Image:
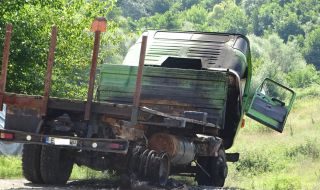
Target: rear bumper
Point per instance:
(94, 144)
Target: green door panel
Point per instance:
(271, 104)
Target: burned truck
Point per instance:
(173, 107)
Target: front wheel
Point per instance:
(56, 165)
(216, 167)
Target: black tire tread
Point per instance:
(31, 163)
(55, 167)
(211, 165)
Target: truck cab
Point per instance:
(214, 52)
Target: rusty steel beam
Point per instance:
(137, 92)
(98, 26)
(47, 83)
(5, 60)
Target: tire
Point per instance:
(216, 167)
(55, 166)
(31, 154)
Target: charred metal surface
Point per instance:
(208, 146)
(150, 165)
(47, 83)
(173, 121)
(137, 92)
(124, 129)
(22, 118)
(181, 150)
(5, 60)
(98, 26)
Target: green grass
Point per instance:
(268, 159)
(10, 168)
(272, 160)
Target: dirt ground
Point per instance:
(22, 184)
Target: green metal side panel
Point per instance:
(169, 90)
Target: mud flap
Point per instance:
(22, 119)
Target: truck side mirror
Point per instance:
(271, 104)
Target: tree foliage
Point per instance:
(312, 48)
(32, 23)
(228, 17)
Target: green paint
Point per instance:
(198, 88)
(264, 118)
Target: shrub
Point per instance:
(285, 183)
(255, 163)
(309, 149)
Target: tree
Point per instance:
(197, 15)
(228, 17)
(32, 24)
(133, 8)
(288, 26)
(159, 6)
(275, 58)
(264, 18)
(312, 48)
(303, 78)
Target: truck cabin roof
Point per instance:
(193, 50)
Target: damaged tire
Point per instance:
(31, 155)
(55, 166)
(216, 167)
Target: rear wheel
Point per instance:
(31, 154)
(55, 166)
(216, 167)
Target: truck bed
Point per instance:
(169, 90)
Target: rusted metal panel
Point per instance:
(47, 84)
(168, 90)
(35, 102)
(99, 24)
(23, 101)
(23, 112)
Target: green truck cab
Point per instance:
(201, 76)
(173, 107)
(213, 54)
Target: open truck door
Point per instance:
(271, 104)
